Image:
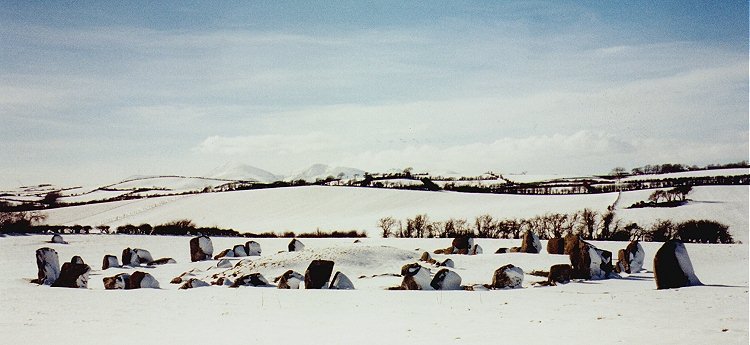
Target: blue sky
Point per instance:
(95, 92)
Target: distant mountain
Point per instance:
(244, 172)
(322, 171)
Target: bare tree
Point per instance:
(387, 225)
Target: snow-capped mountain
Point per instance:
(244, 172)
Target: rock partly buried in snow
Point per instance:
(193, 283)
(672, 267)
(447, 263)
(295, 245)
(559, 274)
(289, 280)
(48, 265)
(162, 261)
(630, 259)
(109, 261)
(77, 260)
(341, 282)
(462, 244)
(136, 256)
(530, 243)
(254, 279)
(514, 250)
(57, 238)
(117, 282)
(318, 274)
(226, 253)
(502, 250)
(508, 276)
(224, 263)
(426, 258)
(416, 277)
(446, 279)
(239, 250)
(252, 248)
(556, 245)
(201, 248)
(222, 281)
(141, 280)
(73, 276)
(475, 250)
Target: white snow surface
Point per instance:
(580, 312)
(697, 173)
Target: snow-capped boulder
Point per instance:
(57, 238)
(289, 280)
(672, 266)
(587, 261)
(77, 260)
(601, 263)
(141, 280)
(117, 282)
(502, 250)
(252, 248)
(193, 283)
(239, 250)
(109, 261)
(341, 282)
(556, 245)
(559, 274)
(201, 248)
(446, 279)
(318, 274)
(73, 276)
(530, 243)
(48, 265)
(447, 263)
(226, 253)
(630, 259)
(162, 261)
(295, 245)
(416, 277)
(222, 281)
(475, 250)
(224, 263)
(136, 256)
(462, 244)
(508, 276)
(254, 279)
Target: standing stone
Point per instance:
(580, 257)
(117, 282)
(602, 258)
(239, 250)
(341, 282)
(201, 248)
(77, 260)
(141, 280)
(556, 245)
(462, 244)
(508, 276)
(570, 241)
(109, 261)
(446, 279)
(559, 274)
(530, 243)
(252, 248)
(73, 276)
(134, 257)
(290, 280)
(318, 274)
(475, 250)
(416, 277)
(672, 266)
(630, 259)
(48, 266)
(295, 245)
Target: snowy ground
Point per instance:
(628, 310)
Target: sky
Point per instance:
(94, 92)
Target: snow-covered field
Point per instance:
(627, 310)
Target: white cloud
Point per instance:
(275, 145)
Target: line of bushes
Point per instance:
(588, 224)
